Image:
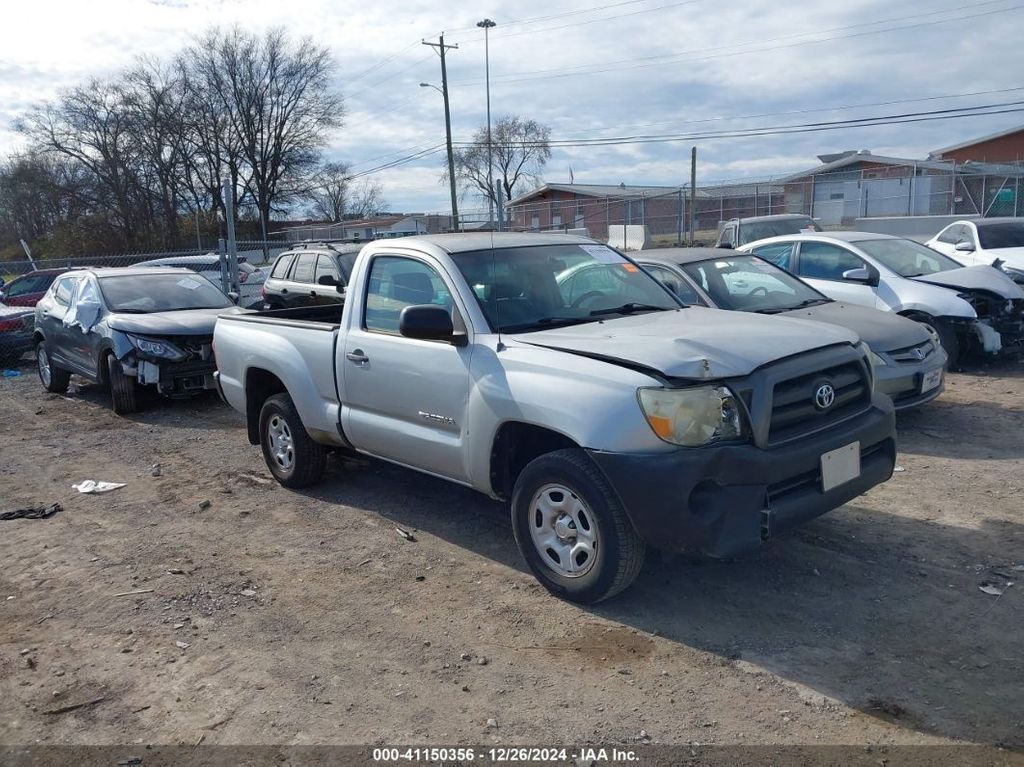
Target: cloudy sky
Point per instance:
(607, 68)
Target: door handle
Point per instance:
(284, 290)
(312, 293)
(357, 356)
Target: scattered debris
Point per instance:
(492, 723)
(482, 661)
(137, 591)
(466, 656)
(181, 645)
(992, 589)
(75, 706)
(176, 571)
(406, 534)
(248, 592)
(421, 578)
(203, 505)
(898, 468)
(37, 511)
(364, 562)
(11, 373)
(92, 486)
(156, 470)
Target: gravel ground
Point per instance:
(270, 616)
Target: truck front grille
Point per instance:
(796, 409)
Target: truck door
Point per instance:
(405, 399)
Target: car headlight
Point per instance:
(1017, 275)
(692, 417)
(157, 348)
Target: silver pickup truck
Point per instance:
(611, 415)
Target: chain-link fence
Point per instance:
(836, 198)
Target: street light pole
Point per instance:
(441, 47)
(486, 25)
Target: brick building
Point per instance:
(1006, 147)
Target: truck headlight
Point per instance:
(692, 417)
(864, 349)
(157, 348)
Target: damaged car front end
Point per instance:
(176, 366)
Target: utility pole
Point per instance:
(693, 192)
(229, 220)
(486, 25)
(440, 47)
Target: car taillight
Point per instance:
(9, 326)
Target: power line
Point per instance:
(726, 50)
(550, 17)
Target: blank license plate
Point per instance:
(840, 466)
(931, 379)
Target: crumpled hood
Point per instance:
(190, 322)
(975, 278)
(694, 342)
(882, 331)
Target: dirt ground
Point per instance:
(272, 616)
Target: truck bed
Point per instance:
(325, 316)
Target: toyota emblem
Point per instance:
(824, 397)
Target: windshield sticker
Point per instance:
(629, 267)
(602, 253)
(188, 283)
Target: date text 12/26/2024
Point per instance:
(501, 754)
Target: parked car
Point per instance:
(984, 241)
(908, 359)
(27, 289)
(15, 333)
(127, 328)
(310, 274)
(740, 231)
(611, 420)
(972, 309)
(250, 278)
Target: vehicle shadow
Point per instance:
(976, 430)
(879, 611)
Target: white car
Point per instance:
(973, 308)
(983, 241)
(250, 278)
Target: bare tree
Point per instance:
(328, 194)
(520, 149)
(279, 101)
(366, 198)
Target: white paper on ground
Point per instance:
(95, 486)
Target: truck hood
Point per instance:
(693, 343)
(190, 322)
(882, 331)
(974, 278)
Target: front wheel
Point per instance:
(54, 379)
(572, 530)
(292, 456)
(123, 394)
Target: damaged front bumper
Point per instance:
(173, 378)
(999, 328)
(723, 500)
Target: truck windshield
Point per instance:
(145, 293)
(749, 284)
(1004, 235)
(540, 287)
(906, 257)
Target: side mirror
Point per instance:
(857, 275)
(964, 247)
(428, 322)
(327, 279)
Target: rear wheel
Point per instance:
(572, 530)
(53, 378)
(292, 456)
(123, 389)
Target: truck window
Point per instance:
(821, 261)
(395, 283)
(305, 265)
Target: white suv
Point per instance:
(983, 241)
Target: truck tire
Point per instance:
(572, 530)
(123, 395)
(292, 456)
(54, 379)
